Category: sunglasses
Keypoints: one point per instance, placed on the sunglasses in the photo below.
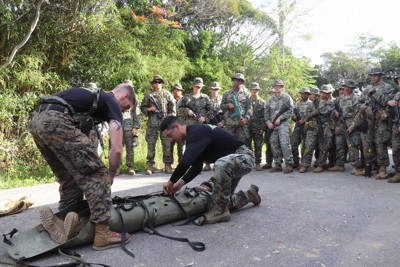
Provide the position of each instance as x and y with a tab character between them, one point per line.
159	82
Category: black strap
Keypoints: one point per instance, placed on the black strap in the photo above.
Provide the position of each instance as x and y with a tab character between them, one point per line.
11	234
198	246
123	235
190	219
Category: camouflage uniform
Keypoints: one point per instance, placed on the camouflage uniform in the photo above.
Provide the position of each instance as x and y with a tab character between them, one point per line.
382	93
302	107
74	160
396	144
167	102
216	106
325	109
280	136
202	105
180	146
232	124
257	126
131	121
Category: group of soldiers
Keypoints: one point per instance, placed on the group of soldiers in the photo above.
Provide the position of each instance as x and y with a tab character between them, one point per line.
354	127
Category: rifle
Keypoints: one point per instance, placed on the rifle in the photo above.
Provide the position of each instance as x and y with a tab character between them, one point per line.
238	114
371	144
283	109
319	122
341	118
160	113
301	127
217	117
190	105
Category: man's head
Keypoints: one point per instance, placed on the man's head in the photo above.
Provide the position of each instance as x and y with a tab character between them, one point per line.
197	84
314	94
278	86
173	128
254	89
304	93
177	90
376	75
125	95
271	91
214	88
349	86
157	82
238	80
325	91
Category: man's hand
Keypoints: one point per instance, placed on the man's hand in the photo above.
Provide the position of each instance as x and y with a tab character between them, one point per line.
167	187
191	113
201	119
231	106
278	121
220	124
134	131
392	103
270	126
178	186
152	109
349	131
301	122
203	188
294	118
243	121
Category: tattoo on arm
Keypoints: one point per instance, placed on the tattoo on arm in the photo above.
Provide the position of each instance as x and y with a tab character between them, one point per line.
119	125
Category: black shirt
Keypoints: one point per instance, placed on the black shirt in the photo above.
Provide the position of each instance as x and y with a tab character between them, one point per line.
82	100
204	142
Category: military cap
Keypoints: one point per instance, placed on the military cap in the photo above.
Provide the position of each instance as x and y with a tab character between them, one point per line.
92	85
314	91
279	82
305	91
178	86
255	86
271	90
325	89
374	71
350	83
157	78
238	76
198	82
215	85
340	85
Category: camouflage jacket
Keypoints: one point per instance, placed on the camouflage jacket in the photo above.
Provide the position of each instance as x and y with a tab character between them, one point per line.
397	98
131	118
216	106
257	121
274	105
349	106
166	102
302	108
325	109
177	103
243	98
201	104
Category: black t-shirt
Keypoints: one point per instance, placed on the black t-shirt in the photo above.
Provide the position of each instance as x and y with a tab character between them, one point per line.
204	142
82	101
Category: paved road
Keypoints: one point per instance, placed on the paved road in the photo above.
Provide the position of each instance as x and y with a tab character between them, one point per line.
326	219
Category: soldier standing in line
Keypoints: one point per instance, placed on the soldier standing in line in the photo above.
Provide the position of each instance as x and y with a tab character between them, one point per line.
257	123
278	122
348	105
396	135
373	110
156	105
332	149
320	134
269	157
299	134
177	91
237	125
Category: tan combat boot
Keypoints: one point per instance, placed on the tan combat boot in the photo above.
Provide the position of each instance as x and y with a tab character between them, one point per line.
267	166
382	174
288	169
105	239
360	172
395	178
258	167
71	225
354	170
168	168
336	168
207	167
215	215
252	195
131	171
318	169
149	170
302	169
276	168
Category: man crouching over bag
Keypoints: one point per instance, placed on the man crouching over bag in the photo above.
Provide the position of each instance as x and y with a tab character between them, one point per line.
208	143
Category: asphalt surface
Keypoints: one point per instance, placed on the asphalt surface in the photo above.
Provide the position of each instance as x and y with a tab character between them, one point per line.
326	219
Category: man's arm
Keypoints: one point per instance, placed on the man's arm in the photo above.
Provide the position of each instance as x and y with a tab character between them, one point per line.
115	147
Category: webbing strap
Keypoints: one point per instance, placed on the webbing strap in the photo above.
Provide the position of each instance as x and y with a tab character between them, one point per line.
189	218
123	235
11	234
198	246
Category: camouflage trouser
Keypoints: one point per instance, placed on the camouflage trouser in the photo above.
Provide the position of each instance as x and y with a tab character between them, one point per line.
280	143
258	140
353	143
152	134
74	161
130	156
382	137
340	142
396	148
311	145
180	146
228	171
295	141
269	156
237	130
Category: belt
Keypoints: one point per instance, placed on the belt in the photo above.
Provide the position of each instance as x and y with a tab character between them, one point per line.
56	107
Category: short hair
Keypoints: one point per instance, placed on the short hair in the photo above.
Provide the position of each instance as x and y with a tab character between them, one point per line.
127	87
168	122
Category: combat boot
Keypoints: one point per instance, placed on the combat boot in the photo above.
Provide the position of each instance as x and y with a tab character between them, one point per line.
71	225
382	174
168	168
117	173
252	195
131	171
395	178
302	169
288	169
214	216
105	239
318	169
354	170
296	165
258	167
59	232
207	167
276	168
267	166
360	172
336	168
149	170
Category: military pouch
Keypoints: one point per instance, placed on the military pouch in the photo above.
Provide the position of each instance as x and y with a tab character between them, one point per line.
382	115
84	122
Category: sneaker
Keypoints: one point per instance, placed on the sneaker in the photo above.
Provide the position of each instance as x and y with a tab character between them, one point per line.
253	196
214	216
53	225
105	239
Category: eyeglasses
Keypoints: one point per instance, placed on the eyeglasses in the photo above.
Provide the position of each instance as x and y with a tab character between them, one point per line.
159	82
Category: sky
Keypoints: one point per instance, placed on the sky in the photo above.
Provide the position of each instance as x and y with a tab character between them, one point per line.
335	24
